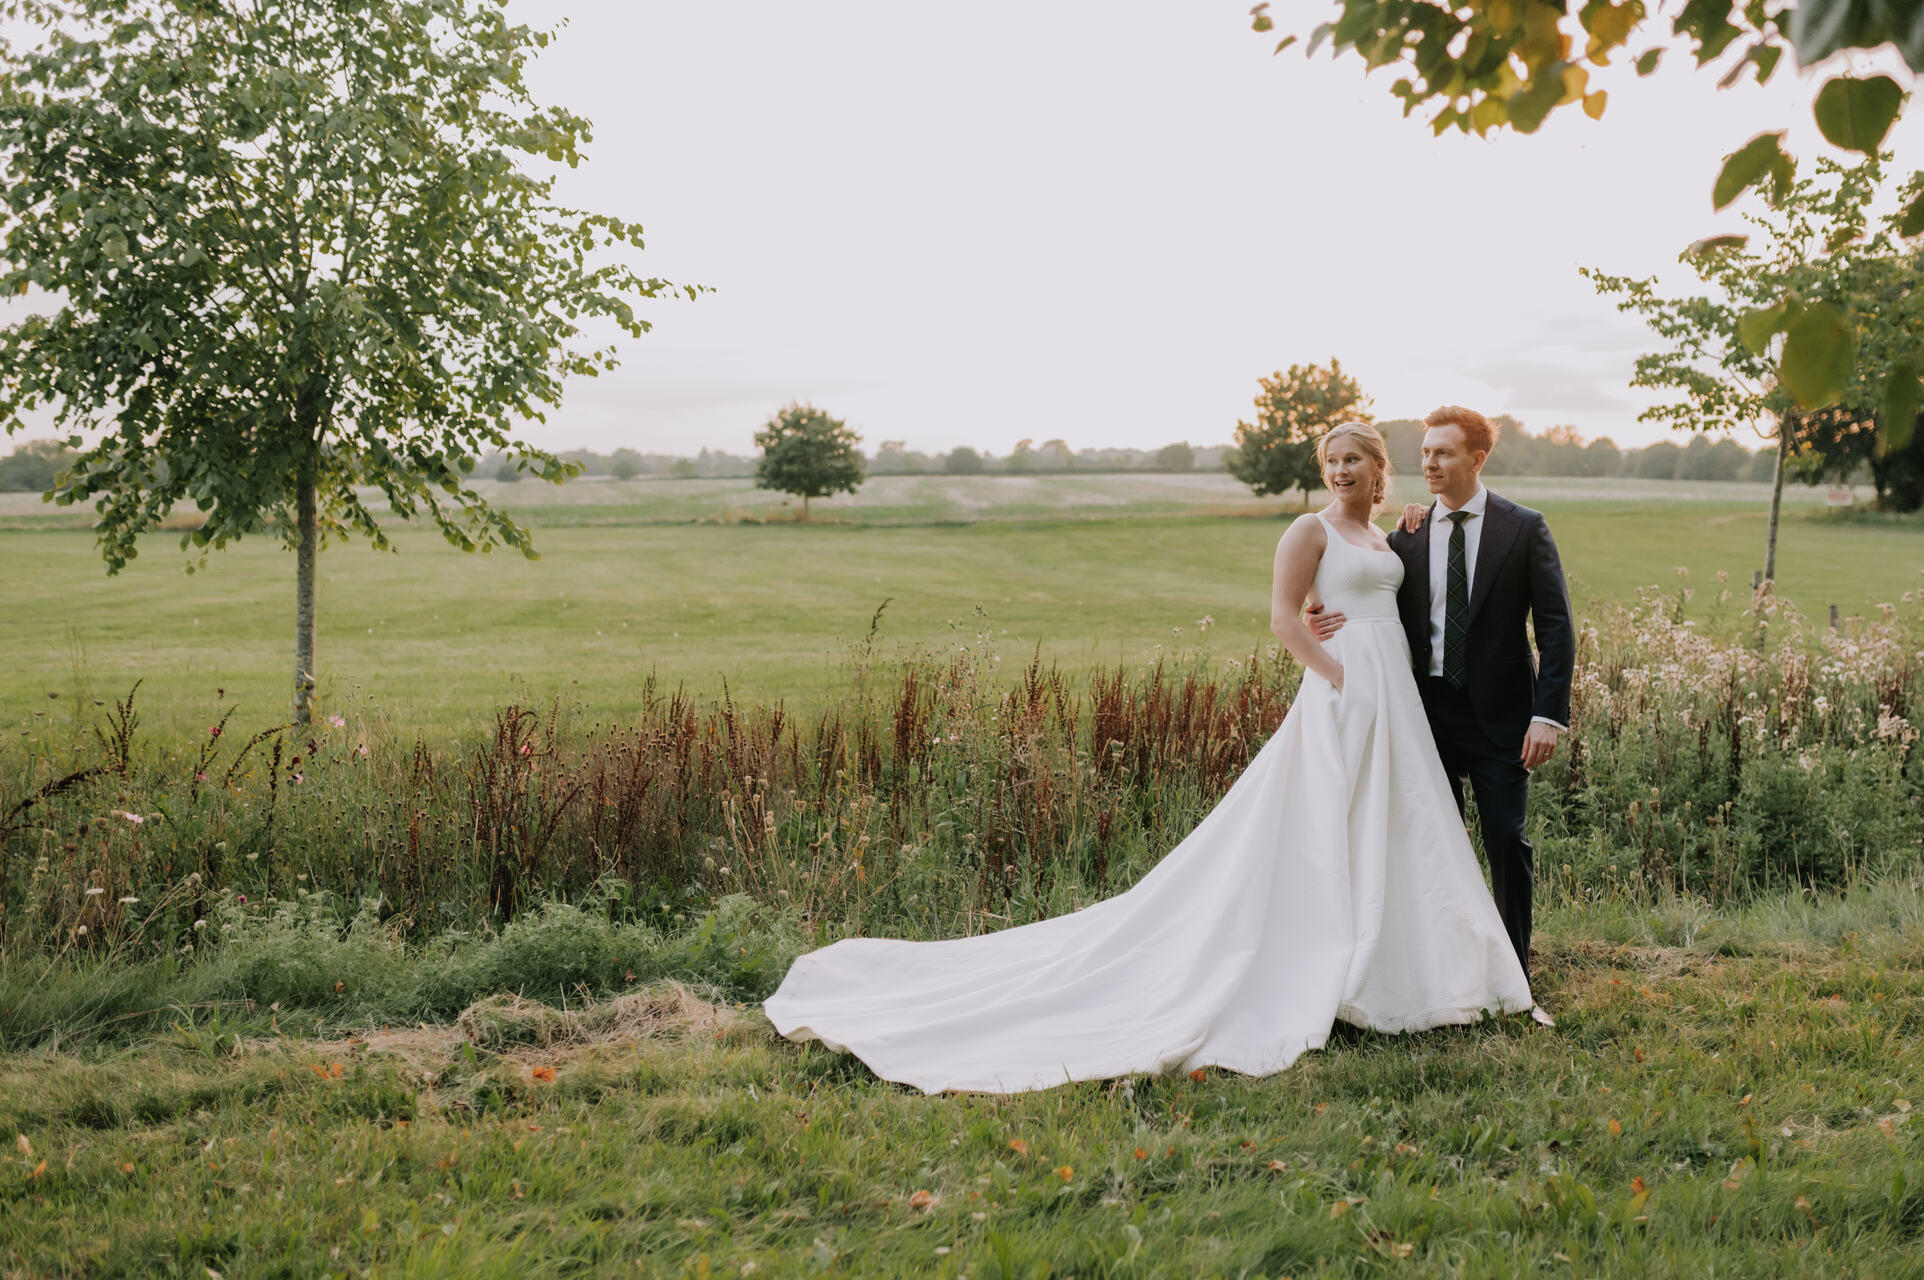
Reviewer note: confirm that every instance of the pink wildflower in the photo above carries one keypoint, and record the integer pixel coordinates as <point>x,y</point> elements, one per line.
<point>213,731</point>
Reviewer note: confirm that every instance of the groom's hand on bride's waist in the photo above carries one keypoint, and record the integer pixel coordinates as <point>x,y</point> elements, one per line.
<point>1540,743</point>
<point>1321,624</point>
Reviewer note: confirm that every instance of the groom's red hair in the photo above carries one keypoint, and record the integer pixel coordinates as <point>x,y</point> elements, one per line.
<point>1478,432</point>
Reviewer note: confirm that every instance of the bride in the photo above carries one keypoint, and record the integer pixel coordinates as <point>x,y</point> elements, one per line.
<point>1333,880</point>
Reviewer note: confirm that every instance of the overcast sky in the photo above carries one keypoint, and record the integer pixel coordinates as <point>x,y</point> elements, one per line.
<point>977,223</point>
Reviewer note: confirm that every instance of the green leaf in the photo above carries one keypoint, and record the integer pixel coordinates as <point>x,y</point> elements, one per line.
<point>1713,244</point>
<point>1283,44</point>
<point>1911,221</point>
<point>1820,354</point>
<point>1902,397</point>
<point>1756,327</point>
<point>1748,165</point>
<point>1648,61</point>
<point>1856,114</point>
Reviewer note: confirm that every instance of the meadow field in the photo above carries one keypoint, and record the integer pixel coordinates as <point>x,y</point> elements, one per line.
<point>683,581</point>
<point>435,988</point>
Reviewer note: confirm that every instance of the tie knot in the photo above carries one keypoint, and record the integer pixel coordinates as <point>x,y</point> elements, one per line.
<point>1458,517</point>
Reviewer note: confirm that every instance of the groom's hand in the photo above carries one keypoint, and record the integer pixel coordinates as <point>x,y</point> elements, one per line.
<point>1413,517</point>
<point>1322,625</point>
<point>1539,744</point>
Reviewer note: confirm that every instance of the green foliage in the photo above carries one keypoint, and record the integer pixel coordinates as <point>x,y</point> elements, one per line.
<point>288,251</point>
<point>807,453</point>
<point>1857,114</point>
<point>1826,311</point>
<point>1493,63</point>
<point>34,465</point>
<point>1294,409</point>
<point>963,461</point>
<point>1175,457</point>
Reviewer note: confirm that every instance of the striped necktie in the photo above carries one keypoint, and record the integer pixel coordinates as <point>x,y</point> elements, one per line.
<point>1456,605</point>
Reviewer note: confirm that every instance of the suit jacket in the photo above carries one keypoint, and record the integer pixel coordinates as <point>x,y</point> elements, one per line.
<point>1517,577</point>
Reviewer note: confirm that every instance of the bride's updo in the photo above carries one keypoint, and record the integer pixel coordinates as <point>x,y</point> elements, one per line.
<point>1370,441</point>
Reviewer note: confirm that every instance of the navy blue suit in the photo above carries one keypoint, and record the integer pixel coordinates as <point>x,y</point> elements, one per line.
<point>1517,580</point>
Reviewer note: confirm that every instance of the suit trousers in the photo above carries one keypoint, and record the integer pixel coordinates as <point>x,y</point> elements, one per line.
<point>1502,787</point>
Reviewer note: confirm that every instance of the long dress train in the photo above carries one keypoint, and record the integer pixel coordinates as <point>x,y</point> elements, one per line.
<point>1333,880</point>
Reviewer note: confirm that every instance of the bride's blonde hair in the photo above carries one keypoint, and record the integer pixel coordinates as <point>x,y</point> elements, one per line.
<point>1370,440</point>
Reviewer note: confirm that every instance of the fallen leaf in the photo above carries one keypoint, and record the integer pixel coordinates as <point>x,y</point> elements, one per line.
<point>1405,1149</point>
<point>339,986</point>
<point>26,1148</point>
<point>1636,1185</point>
<point>1141,1154</point>
<point>1639,1053</point>
<point>1402,1250</point>
<point>1616,1129</point>
<point>1199,1075</point>
<point>1249,1146</point>
<point>1338,1209</point>
<point>920,1200</point>
<point>543,1074</point>
<point>317,1069</point>
<point>1321,1107</point>
<point>1744,1101</point>
<point>1065,1172</point>
<point>1884,1126</point>
<point>1902,1104</point>
<point>1277,1166</point>
<point>1018,1146</point>
<point>1562,1257</point>
<point>126,1166</point>
<point>38,1170</point>
<point>334,1069</point>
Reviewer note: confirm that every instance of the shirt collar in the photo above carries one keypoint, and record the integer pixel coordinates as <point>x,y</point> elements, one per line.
<point>1478,501</point>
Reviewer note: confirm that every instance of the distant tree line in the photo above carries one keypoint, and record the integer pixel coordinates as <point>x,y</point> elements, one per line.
<point>1560,451</point>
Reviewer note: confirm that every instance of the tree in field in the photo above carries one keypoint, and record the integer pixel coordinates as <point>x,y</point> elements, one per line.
<point>1176,457</point>
<point>963,461</point>
<point>33,466</point>
<point>288,248</point>
<point>1825,266</point>
<point>1277,452</point>
<point>1491,64</point>
<point>808,454</point>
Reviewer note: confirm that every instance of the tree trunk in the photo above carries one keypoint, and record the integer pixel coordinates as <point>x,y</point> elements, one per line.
<point>1777,495</point>
<point>804,508</point>
<point>305,555</point>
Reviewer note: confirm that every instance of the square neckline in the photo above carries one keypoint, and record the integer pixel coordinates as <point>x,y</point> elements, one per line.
<point>1336,533</point>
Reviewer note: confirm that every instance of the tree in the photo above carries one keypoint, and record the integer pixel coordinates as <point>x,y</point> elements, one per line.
<point>963,461</point>
<point>626,464</point>
<point>33,466</point>
<point>1822,266</point>
<point>1600,458</point>
<point>1489,64</point>
<point>289,249</point>
<point>808,454</point>
<point>1175,457</point>
<point>1277,452</point>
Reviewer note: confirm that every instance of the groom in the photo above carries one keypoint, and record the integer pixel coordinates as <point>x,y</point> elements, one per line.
<point>1481,567</point>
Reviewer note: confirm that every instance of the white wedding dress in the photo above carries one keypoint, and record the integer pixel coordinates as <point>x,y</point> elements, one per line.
<point>1333,880</point>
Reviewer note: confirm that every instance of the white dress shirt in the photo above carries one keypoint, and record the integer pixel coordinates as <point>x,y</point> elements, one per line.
<point>1440,528</point>
<point>1440,571</point>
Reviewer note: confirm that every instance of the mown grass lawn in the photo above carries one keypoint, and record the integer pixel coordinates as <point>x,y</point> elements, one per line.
<point>435,640</point>
<point>1725,1094</point>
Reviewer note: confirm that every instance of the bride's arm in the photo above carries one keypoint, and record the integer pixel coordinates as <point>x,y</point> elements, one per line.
<point>1297,555</point>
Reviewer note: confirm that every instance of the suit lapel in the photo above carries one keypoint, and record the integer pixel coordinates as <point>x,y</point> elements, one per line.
<point>1500,527</point>
<point>1421,549</point>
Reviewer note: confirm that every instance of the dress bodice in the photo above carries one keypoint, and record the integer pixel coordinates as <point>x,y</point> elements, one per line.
<point>1358,582</point>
